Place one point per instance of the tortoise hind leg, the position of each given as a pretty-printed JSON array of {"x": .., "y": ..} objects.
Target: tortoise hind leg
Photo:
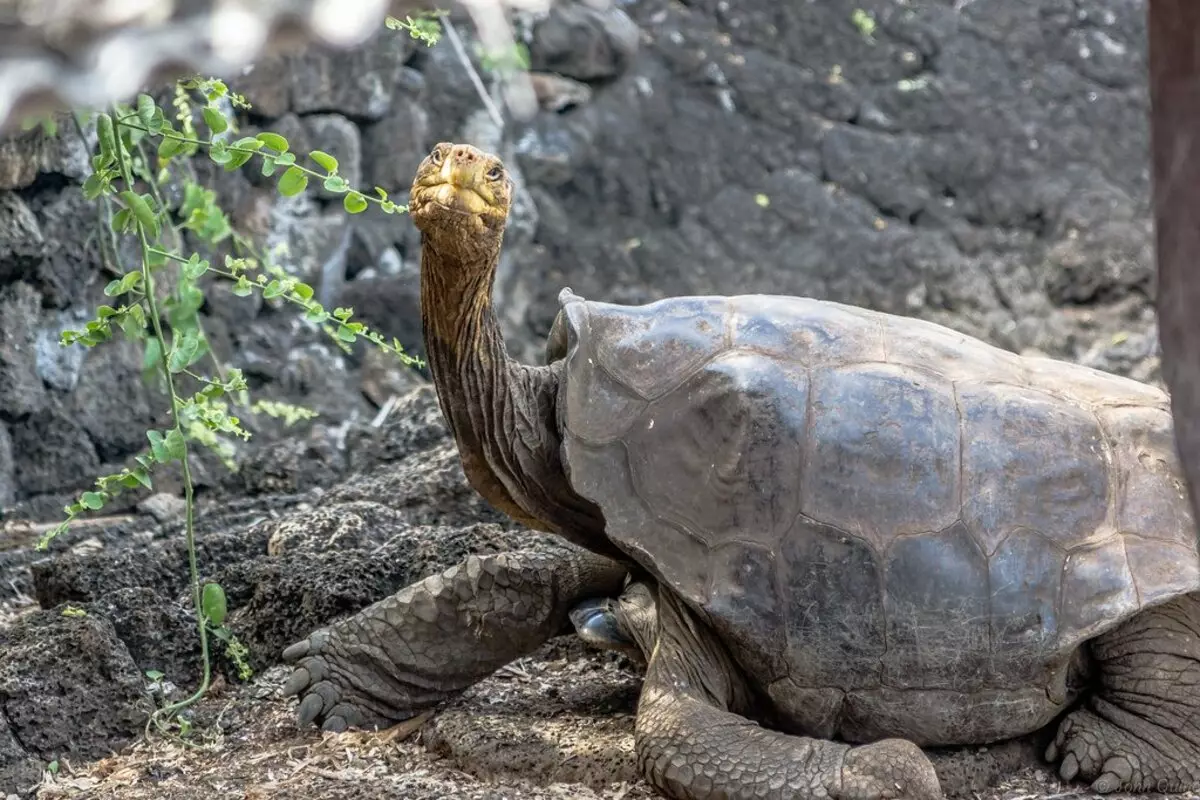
[
  {"x": 433, "y": 639},
  {"x": 693, "y": 744},
  {"x": 1142, "y": 730}
]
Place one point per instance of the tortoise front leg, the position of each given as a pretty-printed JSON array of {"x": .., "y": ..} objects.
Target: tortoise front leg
[
  {"x": 1142, "y": 730},
  {"x": 435, "y": 638},
  {"x": 693, "y": 744}
]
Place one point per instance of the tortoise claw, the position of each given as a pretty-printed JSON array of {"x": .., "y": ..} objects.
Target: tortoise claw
[
  {"x": 299, "y": 679},
  {"x": 314, "y": 644},
  {"x": 310, "y": 707},
  {"x": 334, "y": 725}
]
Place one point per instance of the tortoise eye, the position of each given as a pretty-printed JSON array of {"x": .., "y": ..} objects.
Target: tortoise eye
[
  {"x": 436, "y": 156},
  {"x": 494, "y": 174}
]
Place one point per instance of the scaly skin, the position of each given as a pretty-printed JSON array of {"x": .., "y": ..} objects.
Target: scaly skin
[
  {"x": 1141, "y": 731},
  {"x": 693, "y": 743},
  {"x": 435, "y": 638},
  {"x": 691, "y": 739}
]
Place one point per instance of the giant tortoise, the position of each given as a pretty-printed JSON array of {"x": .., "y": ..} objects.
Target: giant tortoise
[{"x": 837, "y": 535}]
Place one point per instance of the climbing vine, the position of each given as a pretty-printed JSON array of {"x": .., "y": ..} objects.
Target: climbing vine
[{"x": 141, "y": 148}]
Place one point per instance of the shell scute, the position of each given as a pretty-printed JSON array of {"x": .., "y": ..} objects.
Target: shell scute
[
  {"x": 882, "y": 452},
  {"x": 1030, "y": 461},
  {"x": 811, "y": 332},
  {"x": 938, "y": 618},
  {"x": 722, "y": 453},
  {"x": 653, "y": 348},
  {"x": 833, "y": 591}
]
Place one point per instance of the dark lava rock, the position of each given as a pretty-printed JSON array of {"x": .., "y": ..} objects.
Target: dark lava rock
[
  {"x": 71, "y": 254},
  {"x": 68, "y": 686},
  {"x": 160, "y": 566},
  {"x": 293, "y": 464},
  {"x": 585, "y": 41},
  {"x": 55, "y": 451},
  {"x": 22, "y": 244},
  {"x": 111, "y": 401},
  {"x": 19, "y": 772},
  {"x": 21, "y": 390},
  {"x": 159, "y": 634},
  {"x": 8, "y": 479},
  {"x": 27, "y": 154}
]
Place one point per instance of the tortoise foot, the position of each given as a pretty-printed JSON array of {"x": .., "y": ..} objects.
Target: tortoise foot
[
  {"x": 890, "y": 769},
  {"x": 1111, "y": 759},
  {"x": 337, "y": 686}
]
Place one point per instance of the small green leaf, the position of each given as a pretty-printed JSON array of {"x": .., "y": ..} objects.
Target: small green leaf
[
  {"x": 273, "y": 141},
  {"x": 354, "y": 203},
  {"x": 336, "y": 184},
  {"x": 154, "y": 675},
  {"x": 272, "y": 290},
  {"x": 292, "y": 182},
  {"x": 243, "y": 287},
  {"x": 122, "y": 220},
  {"x": 185, "y": 352},
  {"x": 388, "y": 207},
  {"x": 92, "y": 500},
  {"x": 213, "y": 603},
  {"x": 94, "y": 186},
  {"x": 220, "y": 153},
  {"x": 170, "y": 146},
  {"x": 214, "y": 119},
  {"x": 130, "y": 281},
  {"x": 158, "y": 447},
  {"x": 52, "y": 767},
  {"x": 175, "y": 445},
  {"x": 268, "y": 166},
  {"x": 382, "y": 194},
  {"x": 303, "y": 291},
  {"x": 140, "y": 209},
  {"x": 108, "y": 139},
  {"x": 237, "y": 159},
  {"x": 345, "y": 334},
  {"x": 325, "y": 160},
  {"x": 195, "y": 267},
  {"x": 146, "y": 109},
  {"x": 141, "y": 477},
  {"x": 250, "y": 143}
]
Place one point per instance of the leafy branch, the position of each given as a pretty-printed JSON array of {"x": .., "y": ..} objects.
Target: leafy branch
[{"x": 157, "y": 302}]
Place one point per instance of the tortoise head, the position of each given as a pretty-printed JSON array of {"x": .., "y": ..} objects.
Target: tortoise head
[{"x": 461, "y": 197}]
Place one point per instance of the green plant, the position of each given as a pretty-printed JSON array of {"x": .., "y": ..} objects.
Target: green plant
[
  {"x": 157, "y": 303},
  {"x": 424, "y": 28}
]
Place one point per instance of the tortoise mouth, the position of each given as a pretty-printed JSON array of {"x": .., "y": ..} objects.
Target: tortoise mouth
[{"x": 455, "y": 199}]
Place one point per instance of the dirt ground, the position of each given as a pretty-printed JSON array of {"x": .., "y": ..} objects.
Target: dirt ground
[{"x": 556, "y": 725}]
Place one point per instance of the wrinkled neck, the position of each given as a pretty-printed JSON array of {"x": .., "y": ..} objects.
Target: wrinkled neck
[
  {"x": 501, "y": 413},
  {"x": 456, "y": 300}
]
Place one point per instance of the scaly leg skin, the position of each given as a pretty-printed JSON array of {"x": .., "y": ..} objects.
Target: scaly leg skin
[
  {"x": 435, "y": 638},
  {"x": 1142, "y": 730},
  {"x": 693, "y": 744}
]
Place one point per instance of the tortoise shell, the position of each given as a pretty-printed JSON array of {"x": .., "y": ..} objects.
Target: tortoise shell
[{"x": 862, "y": 505}]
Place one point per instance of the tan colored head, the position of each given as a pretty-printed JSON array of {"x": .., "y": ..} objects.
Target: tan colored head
[{"x": 461, "y": 195}]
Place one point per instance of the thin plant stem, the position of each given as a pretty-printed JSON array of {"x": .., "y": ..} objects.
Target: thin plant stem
[{"x": 188, "y": 487}]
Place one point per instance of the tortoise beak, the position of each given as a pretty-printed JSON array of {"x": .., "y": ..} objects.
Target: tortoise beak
[{"x": 461, "y": 185}]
